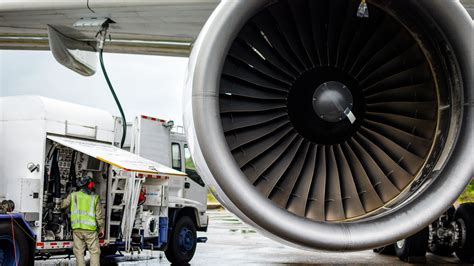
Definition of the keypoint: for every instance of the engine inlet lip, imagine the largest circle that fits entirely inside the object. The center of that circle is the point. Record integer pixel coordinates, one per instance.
(238, 192)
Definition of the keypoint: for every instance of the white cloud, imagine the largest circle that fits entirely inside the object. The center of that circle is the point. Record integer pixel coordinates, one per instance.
(149, 85)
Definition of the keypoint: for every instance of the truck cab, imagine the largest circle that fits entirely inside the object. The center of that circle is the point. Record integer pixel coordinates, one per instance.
(189, 191)
(162, 142)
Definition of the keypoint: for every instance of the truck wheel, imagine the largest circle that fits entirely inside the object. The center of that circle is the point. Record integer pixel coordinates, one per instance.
(413, 247)
(14, 250)
(182, 243)
(465, 217)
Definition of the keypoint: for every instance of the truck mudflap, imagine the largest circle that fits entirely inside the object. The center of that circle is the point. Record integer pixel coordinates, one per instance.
(20, 221)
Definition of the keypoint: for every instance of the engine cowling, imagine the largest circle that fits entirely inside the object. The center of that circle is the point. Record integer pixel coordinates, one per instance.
(331, 131)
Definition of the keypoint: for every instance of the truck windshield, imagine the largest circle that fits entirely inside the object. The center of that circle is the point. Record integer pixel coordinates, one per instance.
(190, 167)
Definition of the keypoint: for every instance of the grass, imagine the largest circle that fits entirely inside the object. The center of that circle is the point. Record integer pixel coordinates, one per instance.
(210, 198)
(190, 164)
(468, 194)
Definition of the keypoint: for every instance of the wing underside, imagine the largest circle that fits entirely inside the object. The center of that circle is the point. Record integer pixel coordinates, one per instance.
(161, 27)
(158, 27)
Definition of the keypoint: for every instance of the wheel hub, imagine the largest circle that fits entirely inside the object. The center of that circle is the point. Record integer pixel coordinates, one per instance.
(186, 240)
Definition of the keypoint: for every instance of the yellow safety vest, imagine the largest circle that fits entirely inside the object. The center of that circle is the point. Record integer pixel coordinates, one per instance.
(83, 211)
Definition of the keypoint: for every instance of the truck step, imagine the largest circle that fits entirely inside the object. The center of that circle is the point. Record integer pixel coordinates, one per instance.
(114, 222)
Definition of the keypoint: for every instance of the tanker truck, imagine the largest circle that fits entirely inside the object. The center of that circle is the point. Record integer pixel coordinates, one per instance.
(338, 125)
(47, 144)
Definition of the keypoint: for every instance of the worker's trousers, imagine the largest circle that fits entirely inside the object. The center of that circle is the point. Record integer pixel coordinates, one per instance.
(83, 239)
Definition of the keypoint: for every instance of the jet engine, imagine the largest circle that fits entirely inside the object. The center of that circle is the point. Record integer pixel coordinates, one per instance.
(328, 129)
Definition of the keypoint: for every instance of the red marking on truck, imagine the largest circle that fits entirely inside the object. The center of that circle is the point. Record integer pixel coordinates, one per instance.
(153, 119)
(59, 245)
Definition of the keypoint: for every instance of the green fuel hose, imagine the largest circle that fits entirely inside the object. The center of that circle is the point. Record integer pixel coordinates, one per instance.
(124, 121)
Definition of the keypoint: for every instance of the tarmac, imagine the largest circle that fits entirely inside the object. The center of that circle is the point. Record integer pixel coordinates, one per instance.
(231, 242)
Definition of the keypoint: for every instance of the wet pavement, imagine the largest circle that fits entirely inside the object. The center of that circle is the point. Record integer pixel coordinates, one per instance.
(233, 243)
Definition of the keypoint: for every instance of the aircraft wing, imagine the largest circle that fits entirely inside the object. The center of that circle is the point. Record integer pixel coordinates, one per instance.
(163, 27)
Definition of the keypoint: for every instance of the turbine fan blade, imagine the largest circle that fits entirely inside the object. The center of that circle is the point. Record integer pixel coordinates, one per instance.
(304, 156)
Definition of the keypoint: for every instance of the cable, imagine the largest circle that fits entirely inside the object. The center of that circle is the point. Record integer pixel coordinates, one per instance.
(124, 122)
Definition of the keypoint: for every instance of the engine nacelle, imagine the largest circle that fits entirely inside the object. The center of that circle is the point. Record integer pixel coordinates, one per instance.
(328, 130)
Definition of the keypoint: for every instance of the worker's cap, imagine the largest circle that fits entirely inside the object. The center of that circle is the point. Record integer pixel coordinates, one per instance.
(83, 180)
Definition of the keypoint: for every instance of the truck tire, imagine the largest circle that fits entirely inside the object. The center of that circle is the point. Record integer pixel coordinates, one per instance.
(182, 242)
(414, 247)
(17, 249)
(465, 215)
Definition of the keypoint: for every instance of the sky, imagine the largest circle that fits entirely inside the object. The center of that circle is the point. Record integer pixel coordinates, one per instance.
(150, 85)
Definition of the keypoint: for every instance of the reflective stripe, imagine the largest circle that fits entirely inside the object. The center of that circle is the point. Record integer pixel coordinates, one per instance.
(83, 213)
(86, 222)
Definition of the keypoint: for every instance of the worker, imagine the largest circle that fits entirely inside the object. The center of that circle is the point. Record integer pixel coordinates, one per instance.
(87, 221)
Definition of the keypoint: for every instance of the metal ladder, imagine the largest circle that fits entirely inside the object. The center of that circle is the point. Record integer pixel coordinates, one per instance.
(117, 184)
(128, 186)
(132, 192)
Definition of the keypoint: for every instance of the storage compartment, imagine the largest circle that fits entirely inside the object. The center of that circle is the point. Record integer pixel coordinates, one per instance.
(63, 167)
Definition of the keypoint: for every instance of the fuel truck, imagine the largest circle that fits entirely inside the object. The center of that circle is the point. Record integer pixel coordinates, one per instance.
(47, 144)
(338, 125)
